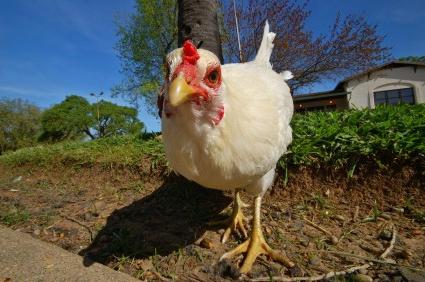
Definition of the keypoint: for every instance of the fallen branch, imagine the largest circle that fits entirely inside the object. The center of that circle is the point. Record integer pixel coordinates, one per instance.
(334, 239)
(336, 273)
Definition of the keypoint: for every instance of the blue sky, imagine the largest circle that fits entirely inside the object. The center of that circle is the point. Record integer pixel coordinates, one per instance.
(53, 48)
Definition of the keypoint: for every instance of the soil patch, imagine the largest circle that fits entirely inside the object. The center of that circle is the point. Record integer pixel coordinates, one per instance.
(155, 226)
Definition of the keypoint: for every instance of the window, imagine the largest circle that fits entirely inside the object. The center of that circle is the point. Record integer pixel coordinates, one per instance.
(394, 97)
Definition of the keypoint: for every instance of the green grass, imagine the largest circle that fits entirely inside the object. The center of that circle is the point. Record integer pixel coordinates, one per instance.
(320, 139)
(13, 216)
(111, 152)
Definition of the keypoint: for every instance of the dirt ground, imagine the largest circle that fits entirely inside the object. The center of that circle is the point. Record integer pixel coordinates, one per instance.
(156, 226)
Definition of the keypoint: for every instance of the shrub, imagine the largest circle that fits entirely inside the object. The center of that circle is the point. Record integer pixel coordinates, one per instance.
(343, 137)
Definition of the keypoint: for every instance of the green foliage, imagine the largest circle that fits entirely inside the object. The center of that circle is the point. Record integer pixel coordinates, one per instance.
(115, 120)
(420, 59)
(144, 40)
(67, 120)
(19, 124)
(321, 139)
(344, 138)
(114, 151)
(75, 118)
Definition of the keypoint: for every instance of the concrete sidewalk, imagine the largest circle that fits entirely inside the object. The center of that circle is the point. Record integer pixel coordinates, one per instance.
(23, 258)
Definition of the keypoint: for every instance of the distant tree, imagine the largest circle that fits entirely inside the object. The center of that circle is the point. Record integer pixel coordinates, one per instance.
(19, 124)
(68, 120)
(350, 45)
(76, 118)
(420, 59)
(115, 120)
(144, 38)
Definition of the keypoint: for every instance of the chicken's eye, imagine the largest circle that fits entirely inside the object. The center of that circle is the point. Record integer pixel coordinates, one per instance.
(213, 76)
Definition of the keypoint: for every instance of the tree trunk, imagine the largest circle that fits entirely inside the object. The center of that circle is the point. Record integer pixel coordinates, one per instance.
(198, 21)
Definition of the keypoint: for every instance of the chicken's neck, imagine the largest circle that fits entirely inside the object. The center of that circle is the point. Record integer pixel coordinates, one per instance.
(198, 115)
(210, 112)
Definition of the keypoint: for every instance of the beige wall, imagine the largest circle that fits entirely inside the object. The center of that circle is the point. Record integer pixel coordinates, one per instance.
(362, 88)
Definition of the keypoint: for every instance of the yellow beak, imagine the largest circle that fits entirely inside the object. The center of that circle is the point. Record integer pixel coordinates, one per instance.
(179, 91)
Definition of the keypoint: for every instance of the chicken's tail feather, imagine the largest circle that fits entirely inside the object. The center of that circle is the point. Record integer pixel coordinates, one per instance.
(266, 47)
(286, 75)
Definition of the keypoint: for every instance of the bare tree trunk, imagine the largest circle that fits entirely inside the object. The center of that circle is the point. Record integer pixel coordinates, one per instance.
(198, 21)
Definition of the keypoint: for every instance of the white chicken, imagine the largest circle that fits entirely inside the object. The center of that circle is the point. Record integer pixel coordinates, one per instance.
(225, 127)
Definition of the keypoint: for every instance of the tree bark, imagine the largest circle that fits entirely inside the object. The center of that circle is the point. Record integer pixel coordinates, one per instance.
(197, 20)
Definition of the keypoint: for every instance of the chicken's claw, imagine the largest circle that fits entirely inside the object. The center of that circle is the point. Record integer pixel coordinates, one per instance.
(255, 246)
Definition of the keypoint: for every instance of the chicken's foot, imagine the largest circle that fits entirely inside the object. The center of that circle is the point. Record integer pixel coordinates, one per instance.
(236, 220)
(256, 245)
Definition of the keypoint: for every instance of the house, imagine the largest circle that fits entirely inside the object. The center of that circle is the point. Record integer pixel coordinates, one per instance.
(391, 83)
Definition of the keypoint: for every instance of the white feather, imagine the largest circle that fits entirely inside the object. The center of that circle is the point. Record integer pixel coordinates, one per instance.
(287, 75)
(266, 48)
(243, 149)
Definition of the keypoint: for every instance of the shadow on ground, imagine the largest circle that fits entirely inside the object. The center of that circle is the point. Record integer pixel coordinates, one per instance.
(173, 216)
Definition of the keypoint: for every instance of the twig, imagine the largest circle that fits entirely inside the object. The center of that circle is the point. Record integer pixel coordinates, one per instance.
(81, 224)
(56, 222)
(313, 278)
(336, 273)
(372, 259)
(356, 214)
(333, 238)
(392, 243)
(357, 256)
(64, 217)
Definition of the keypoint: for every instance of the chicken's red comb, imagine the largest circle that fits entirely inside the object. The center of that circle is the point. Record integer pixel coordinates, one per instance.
(190, 53)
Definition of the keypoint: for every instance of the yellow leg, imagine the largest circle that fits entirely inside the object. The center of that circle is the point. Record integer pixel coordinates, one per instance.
(256, 245)
(237, 219)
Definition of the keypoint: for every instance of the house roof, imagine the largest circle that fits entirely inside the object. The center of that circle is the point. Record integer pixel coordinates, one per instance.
(318, 95)
(392, 64)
